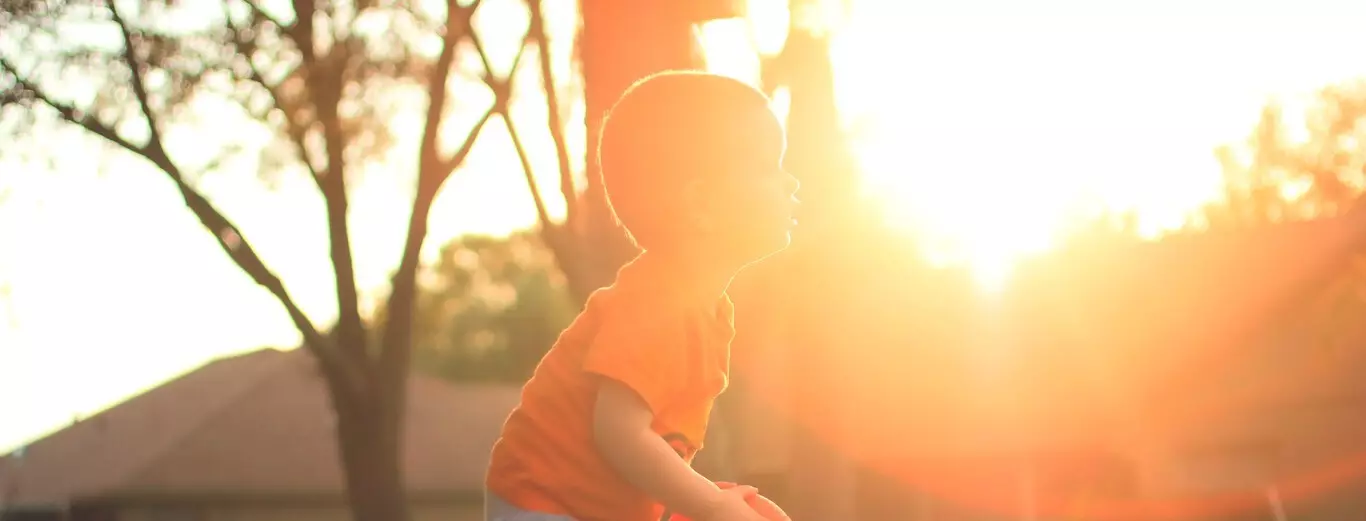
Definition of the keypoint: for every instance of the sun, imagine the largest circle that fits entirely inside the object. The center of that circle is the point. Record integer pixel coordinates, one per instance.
(978, 213)
(987, 143)
(937, 197)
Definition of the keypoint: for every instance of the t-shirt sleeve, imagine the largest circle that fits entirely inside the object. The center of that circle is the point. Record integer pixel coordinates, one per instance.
(649, 358)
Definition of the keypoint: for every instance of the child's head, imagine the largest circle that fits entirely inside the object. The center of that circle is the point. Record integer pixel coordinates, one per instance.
(693, 161)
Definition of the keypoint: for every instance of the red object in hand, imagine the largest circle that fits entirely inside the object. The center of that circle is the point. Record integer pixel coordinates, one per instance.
(766, 508)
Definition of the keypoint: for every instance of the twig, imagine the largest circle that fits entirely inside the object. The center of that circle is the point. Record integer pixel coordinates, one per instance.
(332, 185)
(551, 234)
(536, 31)
(523, 157)
(302, 30)
(217, 162)
(139, 88)
(502, 92)
(433, 171)
(229, 237)
(287, 29)
(293, 128)
(432, 168)
(326, 96)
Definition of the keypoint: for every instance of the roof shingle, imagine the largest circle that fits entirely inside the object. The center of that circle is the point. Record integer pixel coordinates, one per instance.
(254, 423)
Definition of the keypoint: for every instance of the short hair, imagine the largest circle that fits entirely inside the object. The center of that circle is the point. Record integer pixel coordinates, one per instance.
(666, 129)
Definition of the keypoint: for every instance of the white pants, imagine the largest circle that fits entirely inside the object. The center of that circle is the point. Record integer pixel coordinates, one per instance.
(495, 509)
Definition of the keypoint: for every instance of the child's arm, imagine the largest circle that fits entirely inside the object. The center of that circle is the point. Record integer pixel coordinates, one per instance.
(621, 428)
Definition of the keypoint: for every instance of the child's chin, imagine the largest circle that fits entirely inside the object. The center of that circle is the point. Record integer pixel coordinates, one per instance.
(773, 246)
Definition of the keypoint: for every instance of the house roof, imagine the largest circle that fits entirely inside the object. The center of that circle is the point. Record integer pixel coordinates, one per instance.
(258, 423)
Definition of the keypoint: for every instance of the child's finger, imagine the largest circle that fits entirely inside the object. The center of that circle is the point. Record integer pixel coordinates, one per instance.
(744, 491)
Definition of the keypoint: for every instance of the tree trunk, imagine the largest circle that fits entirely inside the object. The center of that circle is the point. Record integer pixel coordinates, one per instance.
(368, 434)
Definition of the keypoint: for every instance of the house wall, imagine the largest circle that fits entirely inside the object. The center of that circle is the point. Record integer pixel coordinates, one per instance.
(468, 512)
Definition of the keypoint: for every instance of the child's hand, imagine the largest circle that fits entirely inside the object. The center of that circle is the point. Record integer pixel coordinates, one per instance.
(766, 508)
(732, 504)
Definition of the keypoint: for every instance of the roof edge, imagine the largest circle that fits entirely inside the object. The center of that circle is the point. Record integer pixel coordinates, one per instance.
(97, 415)
(281, 364)
(278, 498)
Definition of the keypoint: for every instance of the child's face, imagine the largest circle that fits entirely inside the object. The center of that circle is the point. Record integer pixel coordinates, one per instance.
(748, 204)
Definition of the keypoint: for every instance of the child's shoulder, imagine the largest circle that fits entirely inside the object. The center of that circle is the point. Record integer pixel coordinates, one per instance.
(640, 306)
(629, 314)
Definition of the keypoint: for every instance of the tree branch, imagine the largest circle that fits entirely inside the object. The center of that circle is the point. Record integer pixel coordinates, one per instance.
(449, 165)
(326, 88)
(349, 324)
(154, 143)
(536, 31)
(217, 162)
(229, 237)
(433, 170)
(293, 129)
(302, 30)
(524, 158)
(502, 92)
(551, 233)
(396, 348)
(287, 29)
(332, 184)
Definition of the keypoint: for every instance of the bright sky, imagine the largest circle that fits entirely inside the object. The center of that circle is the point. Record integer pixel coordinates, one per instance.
(987, 132)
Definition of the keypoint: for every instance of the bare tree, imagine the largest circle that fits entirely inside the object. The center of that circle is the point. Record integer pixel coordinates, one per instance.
(321, 76)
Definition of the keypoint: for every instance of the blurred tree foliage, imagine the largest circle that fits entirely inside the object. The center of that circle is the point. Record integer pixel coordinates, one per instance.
(1303, 165)
(488, 309)
(1297, 166)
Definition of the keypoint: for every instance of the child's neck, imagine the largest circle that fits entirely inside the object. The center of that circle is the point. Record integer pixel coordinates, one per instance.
(704, 276)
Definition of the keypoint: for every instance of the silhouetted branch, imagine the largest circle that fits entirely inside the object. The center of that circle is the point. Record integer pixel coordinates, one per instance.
(217, 162)
(396, 346)
(343, 266)
(326, 97)
(293, 128)
(457, 158)
(229, 237)
(536, 31)
(287, 29)
(154, 142)
(527, 172)
(501, 104)
(433, 170)
(502, 92)
(302, 30)
(332, 184)
(551, 233)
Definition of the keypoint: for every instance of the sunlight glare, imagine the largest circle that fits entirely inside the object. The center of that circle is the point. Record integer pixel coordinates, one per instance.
(992, 272)
(728, 49)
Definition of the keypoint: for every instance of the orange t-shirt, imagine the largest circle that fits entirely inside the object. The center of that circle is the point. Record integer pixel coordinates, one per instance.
(645, 332)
